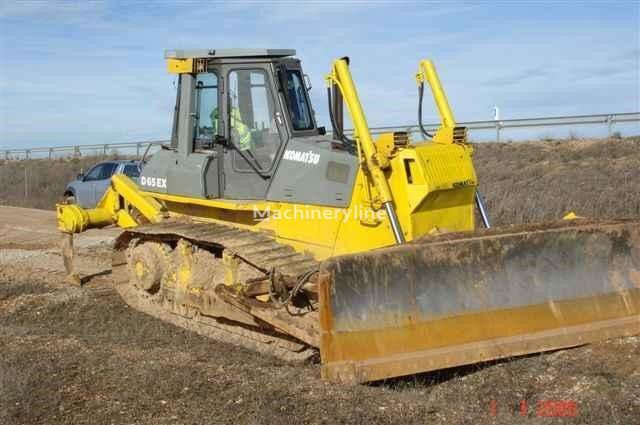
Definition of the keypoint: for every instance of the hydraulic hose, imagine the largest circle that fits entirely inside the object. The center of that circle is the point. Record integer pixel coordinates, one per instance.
(420, 96)
(349, 143)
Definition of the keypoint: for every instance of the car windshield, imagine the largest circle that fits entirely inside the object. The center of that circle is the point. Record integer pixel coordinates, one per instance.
(108, 170)
(298, 105)
(101, 171)
(131, 170)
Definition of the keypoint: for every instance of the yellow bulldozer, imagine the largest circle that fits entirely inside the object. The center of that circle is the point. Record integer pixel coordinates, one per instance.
(255, 227)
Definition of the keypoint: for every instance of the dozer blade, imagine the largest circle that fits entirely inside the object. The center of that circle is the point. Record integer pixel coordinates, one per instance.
(459, 299)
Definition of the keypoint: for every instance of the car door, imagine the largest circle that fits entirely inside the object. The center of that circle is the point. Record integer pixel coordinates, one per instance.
(103, 181)
(84, 190)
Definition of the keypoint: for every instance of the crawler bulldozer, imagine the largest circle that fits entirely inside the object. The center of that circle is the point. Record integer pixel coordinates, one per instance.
(255, 227)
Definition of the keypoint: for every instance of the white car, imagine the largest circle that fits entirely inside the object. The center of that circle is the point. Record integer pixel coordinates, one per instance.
(87, 189)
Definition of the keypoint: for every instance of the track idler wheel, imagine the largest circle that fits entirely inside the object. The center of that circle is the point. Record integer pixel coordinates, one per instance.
(148, 263)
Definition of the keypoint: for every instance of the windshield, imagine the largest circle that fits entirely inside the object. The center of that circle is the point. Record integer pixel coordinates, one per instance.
(300, 111)
(131, 170)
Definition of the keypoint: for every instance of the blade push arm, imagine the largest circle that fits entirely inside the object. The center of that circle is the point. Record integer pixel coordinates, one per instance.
(341, 77)
(427, 72)
(448, 132)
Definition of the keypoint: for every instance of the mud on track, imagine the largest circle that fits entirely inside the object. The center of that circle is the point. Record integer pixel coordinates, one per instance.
(70, 355)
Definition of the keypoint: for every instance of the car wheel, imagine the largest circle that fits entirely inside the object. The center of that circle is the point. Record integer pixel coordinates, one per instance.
(69, 198)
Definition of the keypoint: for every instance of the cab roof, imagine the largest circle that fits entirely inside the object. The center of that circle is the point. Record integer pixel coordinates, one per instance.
(227, 53)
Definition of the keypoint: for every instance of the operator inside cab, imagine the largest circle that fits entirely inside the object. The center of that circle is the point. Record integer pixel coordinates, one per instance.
(240, 132)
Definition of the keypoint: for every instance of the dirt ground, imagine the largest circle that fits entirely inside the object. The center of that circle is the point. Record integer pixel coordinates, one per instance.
(71, 355)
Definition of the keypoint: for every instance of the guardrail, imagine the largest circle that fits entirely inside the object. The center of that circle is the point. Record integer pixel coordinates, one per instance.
(603, 119)
(608, 120)
(79, 150)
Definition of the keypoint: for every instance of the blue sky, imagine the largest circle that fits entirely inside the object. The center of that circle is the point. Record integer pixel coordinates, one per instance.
(93, 72)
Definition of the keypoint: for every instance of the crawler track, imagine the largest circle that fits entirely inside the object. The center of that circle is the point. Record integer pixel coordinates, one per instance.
(258, 249)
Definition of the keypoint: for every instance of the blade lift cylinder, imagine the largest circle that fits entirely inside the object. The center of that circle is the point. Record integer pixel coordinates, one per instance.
(341, 77)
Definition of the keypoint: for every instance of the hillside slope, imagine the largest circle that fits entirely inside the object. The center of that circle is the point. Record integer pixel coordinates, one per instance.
(538, 181)
(522, 182)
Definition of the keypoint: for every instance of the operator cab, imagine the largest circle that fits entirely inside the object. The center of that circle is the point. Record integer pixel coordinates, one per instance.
(237, 113)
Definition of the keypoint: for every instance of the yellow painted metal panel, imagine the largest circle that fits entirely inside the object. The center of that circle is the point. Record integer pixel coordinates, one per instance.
(226, 204)
(124, 220)
(179, 66)
(150, 208)
(484, 325)
(74, 219)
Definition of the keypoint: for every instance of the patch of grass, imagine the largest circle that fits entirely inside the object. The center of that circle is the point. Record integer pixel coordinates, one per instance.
(542, 181)
(10, 290)
(523, 182)
(93, 360)
(46, 179)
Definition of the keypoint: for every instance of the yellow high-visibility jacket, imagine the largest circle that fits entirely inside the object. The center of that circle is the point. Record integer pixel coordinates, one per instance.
(240, 133)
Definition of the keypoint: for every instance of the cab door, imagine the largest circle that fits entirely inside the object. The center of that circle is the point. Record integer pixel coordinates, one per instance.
(192, 169)
(255, 131)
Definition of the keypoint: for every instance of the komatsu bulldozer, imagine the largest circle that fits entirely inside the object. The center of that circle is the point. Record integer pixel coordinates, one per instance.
(253, 226)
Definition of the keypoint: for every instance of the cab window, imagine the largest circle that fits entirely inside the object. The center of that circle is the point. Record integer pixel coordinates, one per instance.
(298, 104)
(207, 112)
(253, 129)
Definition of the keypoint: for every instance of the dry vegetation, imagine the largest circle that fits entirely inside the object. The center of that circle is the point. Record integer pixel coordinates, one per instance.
(522, 182)
(539, 181)
(46, 179)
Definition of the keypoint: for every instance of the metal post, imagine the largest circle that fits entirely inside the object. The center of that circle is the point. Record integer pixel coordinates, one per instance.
(498, 131)
(26, 184)
(609, 122)
(482, 209)
(27, 154)
(395, 223)
(50, 153)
